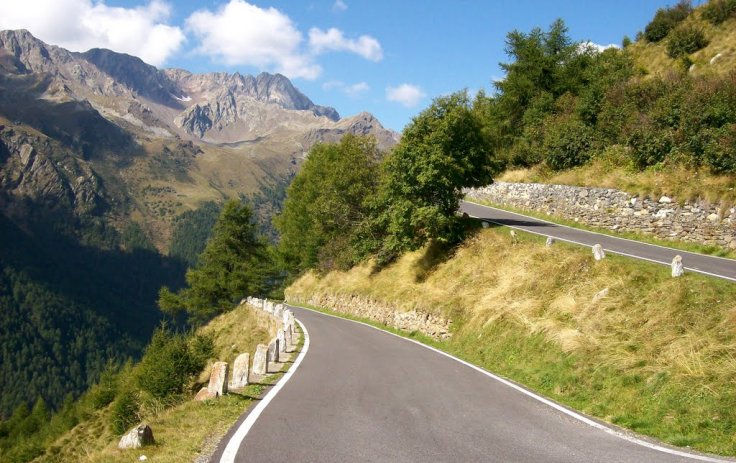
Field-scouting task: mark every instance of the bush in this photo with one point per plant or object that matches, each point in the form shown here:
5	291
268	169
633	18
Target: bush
649	146
626	41
124	411
169	363
665	20
567	144
719	151
685	40
717	11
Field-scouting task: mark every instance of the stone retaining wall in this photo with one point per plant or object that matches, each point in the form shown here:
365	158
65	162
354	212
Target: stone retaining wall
425	323
615	210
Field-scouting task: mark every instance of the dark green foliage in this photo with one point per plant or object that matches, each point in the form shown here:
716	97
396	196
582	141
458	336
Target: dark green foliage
667	19
134	237
267	203
441	152
649	146
235	263
101	394
191	231
719	150
685	40
718	11
170	361
626	41
327	203
567	143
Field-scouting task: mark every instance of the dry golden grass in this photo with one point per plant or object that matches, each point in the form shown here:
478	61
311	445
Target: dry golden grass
531	312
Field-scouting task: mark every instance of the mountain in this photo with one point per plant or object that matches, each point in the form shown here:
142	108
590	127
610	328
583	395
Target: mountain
104	160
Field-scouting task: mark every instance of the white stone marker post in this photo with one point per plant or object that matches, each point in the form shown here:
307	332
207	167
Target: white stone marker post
550	241
240	371
598	252
273	351
218	379
282	340
677	269
259	359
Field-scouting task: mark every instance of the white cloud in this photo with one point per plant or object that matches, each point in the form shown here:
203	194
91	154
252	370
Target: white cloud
79	25
407	94
239	33
339	5
334	40
351	90
596	47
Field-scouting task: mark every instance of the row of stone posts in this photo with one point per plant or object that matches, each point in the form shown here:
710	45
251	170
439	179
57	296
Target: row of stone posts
264	357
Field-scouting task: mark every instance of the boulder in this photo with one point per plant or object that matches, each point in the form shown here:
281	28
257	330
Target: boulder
137	437
204	394
550	241
240	371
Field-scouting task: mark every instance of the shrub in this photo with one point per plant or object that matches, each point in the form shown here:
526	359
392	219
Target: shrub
102	393
665	20
717	11
626	41
649	146
719	150
685	40
567	143
124	411
169	363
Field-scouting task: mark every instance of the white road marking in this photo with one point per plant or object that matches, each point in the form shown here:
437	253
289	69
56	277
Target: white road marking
545	401
228	455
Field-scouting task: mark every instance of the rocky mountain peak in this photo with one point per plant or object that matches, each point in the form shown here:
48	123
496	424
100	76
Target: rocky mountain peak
131	71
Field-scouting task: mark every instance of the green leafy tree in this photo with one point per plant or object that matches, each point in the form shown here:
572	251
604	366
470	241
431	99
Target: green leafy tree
666	19
326	204
441	152
235	263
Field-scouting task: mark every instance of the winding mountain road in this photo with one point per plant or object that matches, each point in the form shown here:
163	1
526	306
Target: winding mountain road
364	395
708	265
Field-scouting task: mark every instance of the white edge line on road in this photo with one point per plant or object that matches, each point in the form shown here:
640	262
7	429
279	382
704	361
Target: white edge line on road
539	398
594	232
228	455
609	250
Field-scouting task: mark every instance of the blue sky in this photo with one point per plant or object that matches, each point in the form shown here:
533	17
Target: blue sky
386	57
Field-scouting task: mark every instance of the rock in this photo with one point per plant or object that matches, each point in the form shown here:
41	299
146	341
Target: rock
259	359
513	234
218	379
598	252
485	224
240	371
136	438
600	295
677	269
204	394
142	458
550	241
272	354
715	58
713	218
665	200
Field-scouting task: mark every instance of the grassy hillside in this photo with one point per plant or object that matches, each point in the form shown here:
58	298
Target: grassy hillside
652	58
617	339
183	431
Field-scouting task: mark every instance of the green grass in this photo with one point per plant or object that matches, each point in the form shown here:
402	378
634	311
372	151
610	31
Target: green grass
657	355
674	244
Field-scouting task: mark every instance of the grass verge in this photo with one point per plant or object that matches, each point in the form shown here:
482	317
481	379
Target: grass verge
617	339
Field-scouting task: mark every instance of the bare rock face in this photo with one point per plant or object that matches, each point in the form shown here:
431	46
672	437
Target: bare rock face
138	437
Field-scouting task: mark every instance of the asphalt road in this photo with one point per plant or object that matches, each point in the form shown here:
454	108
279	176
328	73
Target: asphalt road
363	395
709	265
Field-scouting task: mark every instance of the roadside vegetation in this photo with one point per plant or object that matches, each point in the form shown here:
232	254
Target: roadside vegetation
617	339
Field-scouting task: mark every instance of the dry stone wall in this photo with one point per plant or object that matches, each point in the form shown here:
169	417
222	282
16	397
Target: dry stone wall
426	323
616	210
